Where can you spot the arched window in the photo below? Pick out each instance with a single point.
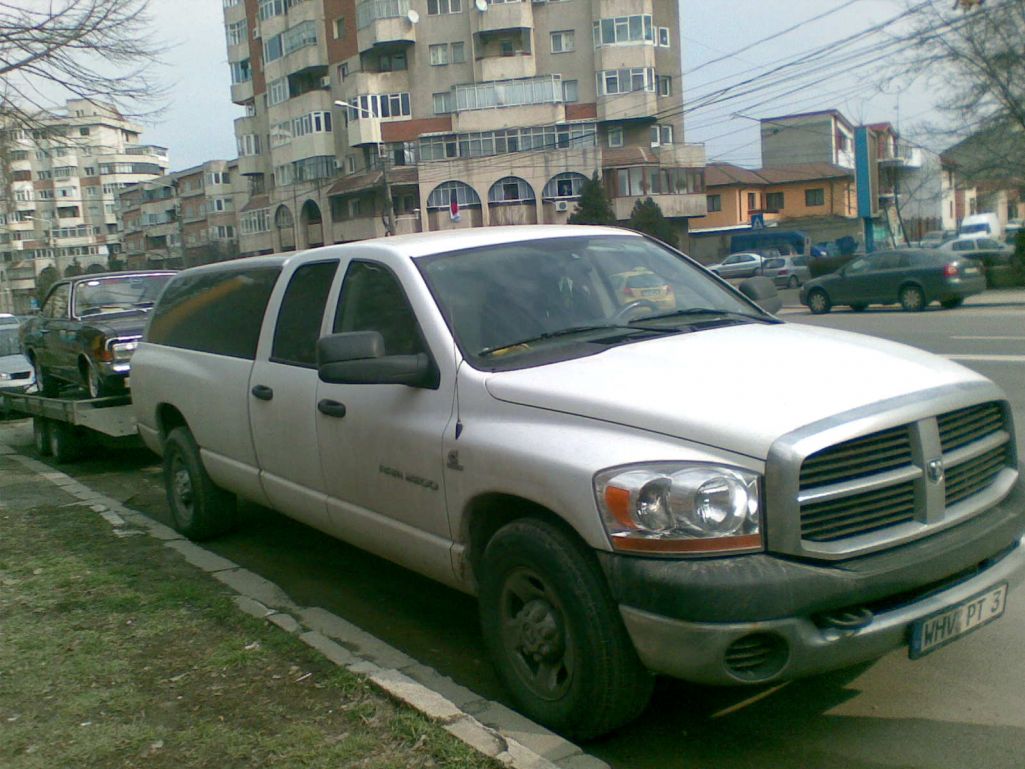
(283, 218)
(565, 186)
(511, 189)
(442, 195)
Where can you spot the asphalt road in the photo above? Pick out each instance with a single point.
(960, 707)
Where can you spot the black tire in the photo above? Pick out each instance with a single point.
(66, 442)
(47, 385)
(41, 436)
(912, 298)
(950, 304)
(793, 282)
(98, 385)
(859, 307)
(555, 634)
(199, 508)
(819, 302)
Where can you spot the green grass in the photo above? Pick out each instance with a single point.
(115, 653)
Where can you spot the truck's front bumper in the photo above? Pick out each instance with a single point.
(762, 618)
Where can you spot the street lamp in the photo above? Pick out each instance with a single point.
(389, 209)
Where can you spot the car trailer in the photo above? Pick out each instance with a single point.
(63, 427)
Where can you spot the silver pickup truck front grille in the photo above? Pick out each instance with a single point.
(902, 479)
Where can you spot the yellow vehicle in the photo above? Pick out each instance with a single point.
(641, 284)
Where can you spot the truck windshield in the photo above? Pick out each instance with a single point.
(527, 302)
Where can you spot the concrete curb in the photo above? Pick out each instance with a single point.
(484, 725)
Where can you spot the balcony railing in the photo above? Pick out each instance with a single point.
(370, 11)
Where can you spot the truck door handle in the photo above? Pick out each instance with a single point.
(331, 408)
(263, 392)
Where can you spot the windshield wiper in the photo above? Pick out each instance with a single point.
(703, 311)
(568, 332)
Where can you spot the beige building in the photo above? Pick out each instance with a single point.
(58, 195)
(470, 113)
(183, 218)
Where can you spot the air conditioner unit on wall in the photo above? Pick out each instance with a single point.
(325, 82)
(562, 206)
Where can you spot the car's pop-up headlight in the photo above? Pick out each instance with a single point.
(680, 508)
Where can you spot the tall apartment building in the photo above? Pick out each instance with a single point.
(58, 194)
(183, 218)
(469, 112)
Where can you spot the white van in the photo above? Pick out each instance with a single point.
(981, 225)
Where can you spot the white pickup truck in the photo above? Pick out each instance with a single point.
(636, 469)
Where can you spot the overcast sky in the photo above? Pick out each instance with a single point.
(198, 124)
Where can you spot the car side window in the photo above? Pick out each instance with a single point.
(302, 308)
(987, 243)
(887, 261)
(57, 303)
(964, 245)
(373, 300)
(857, 267)
(217, 311)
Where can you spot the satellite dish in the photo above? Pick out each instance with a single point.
(413, 16)
(482, 5)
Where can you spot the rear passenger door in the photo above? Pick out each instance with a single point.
(283, 395)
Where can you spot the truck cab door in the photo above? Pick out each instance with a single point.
(283, 395)
(381, 444)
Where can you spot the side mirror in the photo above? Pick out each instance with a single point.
(762, 291)
(357, 357)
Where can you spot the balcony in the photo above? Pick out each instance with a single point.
(383, 22)
(359, 83)
(363, 131)
(242, 93)
(505, 16)
(508, 67)
(901, 157)
(637, 105)
(606, 9)
(671, 205)
(624, 56)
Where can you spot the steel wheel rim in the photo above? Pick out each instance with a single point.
(535, 635)
(181, 490)
(913, 298)
(817, 301)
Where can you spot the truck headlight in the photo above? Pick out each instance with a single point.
(5, 377)
(680, 508)
(122, 351)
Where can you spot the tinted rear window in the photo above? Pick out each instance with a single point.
(214, 311)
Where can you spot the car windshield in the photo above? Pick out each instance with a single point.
(117, 293)
(530, 302)
(9, 341)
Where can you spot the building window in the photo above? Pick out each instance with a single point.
(511, 189)
(815, 197)
(277, 91)
(616, 81)
(343, 70)
(437, 7)
(664, 84)
(458, 53)
(564, 185)
(339, 28)
(237, 32)
(661, 134)
(381, 105)
(663, 37)
(443, 103)
(714, 203)
(570, 93)
(562, 41)
(444, 194)
(752, 201)
(623, 29)
(616, 136)
(774, 201)
(439, 54)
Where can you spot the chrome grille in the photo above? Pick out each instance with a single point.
(972, 476)
(857, 458)
(905, 474)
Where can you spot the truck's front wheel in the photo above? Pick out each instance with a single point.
(199, 508)
(555, 633)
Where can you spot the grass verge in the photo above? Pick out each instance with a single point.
(116, 653)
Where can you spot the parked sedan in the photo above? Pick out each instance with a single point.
(88, 328)
(993, 256)
(15, 370)
(743, 265)
(911, 277)
(787, 271)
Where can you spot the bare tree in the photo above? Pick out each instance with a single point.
(974, 54)
(52, 50)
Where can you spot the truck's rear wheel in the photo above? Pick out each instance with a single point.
(199, 508)
(555, 633)
(41, 436)
(66, 442)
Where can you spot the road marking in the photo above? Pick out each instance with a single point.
(993, 338)
(990, 358)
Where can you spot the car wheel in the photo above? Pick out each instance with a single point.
(912, 299)
(793, 282)
(950, 304)
(66, 442)
(41, 436)
(98, 385)
(555, 634)
(47, 384)
(818, 302)
(199, 508)
(859, 307)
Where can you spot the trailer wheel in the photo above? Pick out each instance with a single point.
(41, 436)
(66, 442)
(199, 508)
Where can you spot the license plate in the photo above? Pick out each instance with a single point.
(971, 270)
(936, 630)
